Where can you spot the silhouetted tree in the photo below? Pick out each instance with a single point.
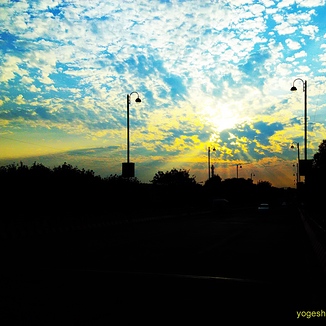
(69, 173)
(212, 186)
(238, 190)
(215, 180)
(175, 189)
(173, 178)
(263, 185)
(316, 187)
(119, 180)
(264, 191)
(319, 160)
(39, 171)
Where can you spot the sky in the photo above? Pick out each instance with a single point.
(210, 75)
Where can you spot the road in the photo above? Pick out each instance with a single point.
(214, 269)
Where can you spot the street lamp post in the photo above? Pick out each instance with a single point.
(298, 148)
(238, 165)
(128, 169)
(293, 88)
(298, 171)
(209, 161)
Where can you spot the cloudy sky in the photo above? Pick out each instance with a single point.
(210, 74)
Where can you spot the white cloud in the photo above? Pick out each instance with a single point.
(11, 67)
(285, 3)
(322, 58)
(310, 30)
(268, 3)
(45, 4)
(34, 89)
(20, 99)
(27, 80)
(300, 54)
(257, 9)
(311, 3)
(293, 45)
(51, 88)
(285, 28)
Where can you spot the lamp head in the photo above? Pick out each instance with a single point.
(293, 89)
(138, 100)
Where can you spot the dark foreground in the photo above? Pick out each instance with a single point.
(200, 268)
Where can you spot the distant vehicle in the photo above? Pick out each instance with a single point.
(263, 208)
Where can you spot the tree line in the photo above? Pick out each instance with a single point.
(67, 192)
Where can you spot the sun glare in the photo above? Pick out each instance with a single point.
(221, 118)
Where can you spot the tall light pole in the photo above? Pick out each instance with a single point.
(293, 88)
(238, 169)
(298, 171)
(209, 161)
(298, 147)
(128, 169)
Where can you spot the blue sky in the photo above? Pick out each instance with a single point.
(210, 74)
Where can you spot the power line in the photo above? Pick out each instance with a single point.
(26, 142)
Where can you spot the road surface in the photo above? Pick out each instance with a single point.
(201, 267)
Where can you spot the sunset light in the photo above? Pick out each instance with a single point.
(208, 73)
